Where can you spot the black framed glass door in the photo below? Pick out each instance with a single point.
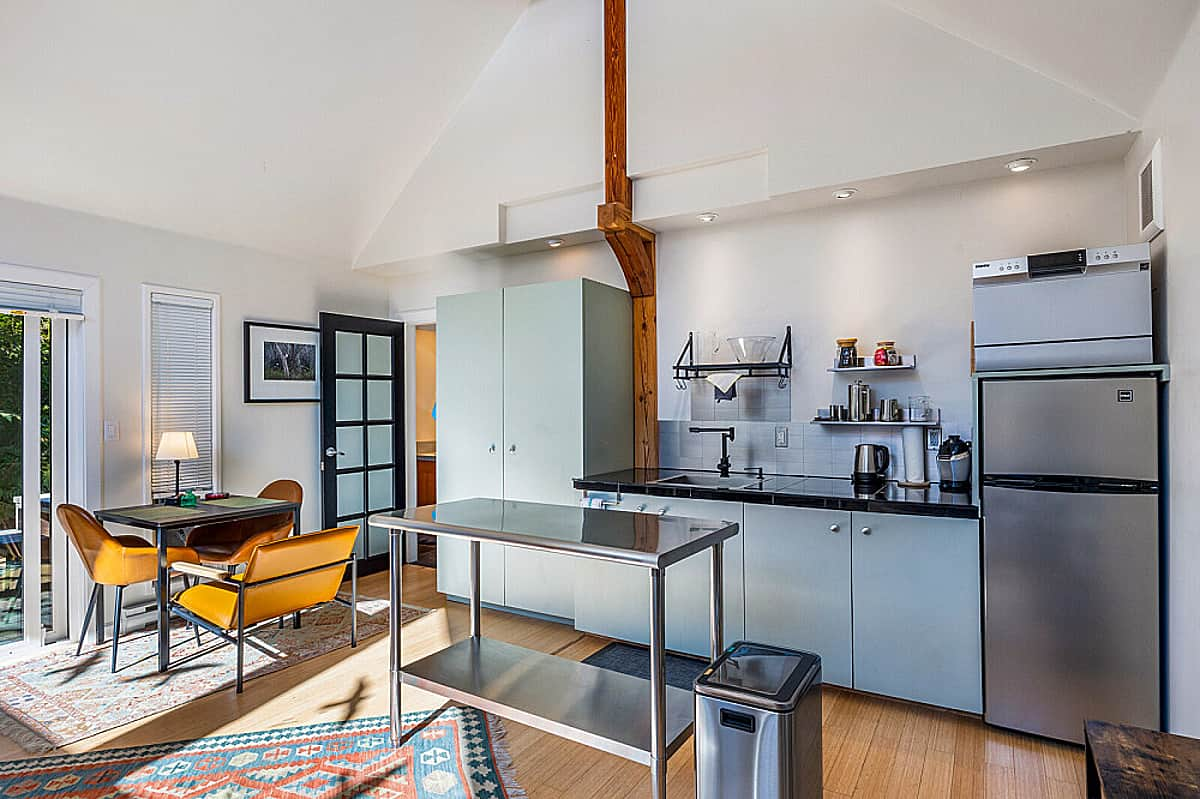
(362, 427)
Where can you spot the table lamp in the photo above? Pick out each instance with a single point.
(177, 446)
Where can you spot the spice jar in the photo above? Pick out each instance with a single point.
(847, 356)
(885, 354)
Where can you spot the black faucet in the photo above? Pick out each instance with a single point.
(726, 436)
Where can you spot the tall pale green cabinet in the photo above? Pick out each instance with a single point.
(534, 388)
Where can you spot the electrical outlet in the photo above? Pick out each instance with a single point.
(781, 436)
(933, 438)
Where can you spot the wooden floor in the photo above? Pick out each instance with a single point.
(873, 747)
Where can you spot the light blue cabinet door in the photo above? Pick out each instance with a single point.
(916, 609)
(543, 429)
(613, 600)
(798, 584)
(470, 385)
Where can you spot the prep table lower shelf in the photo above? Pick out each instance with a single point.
(596, 707)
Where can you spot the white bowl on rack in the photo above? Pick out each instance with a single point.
(751, 349)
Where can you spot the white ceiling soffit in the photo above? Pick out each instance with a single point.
(282, 126)
(1115, 51)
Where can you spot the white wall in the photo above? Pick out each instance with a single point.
(1174, 115)
(259, 443)
(896, 268)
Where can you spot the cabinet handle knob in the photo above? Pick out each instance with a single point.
(512, 448)
(663, 511)
(866, 531)
(641, 507)
(835, 528)
(492, 448)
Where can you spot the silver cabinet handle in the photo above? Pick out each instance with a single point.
(512, 448)
(866, 531)
(641, 507)
(835, 528)
(492, 448)
(663, 511)
(333, 452)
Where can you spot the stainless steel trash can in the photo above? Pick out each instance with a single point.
(758, 725)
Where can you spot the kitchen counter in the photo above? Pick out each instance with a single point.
(791, 491)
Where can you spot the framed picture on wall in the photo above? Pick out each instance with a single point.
(281, 363)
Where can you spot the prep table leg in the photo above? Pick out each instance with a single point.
(658, 688)
(717, 595)
(164, 587)
(396, 594)
(473, 568)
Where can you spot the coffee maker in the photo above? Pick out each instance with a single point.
(954, 464)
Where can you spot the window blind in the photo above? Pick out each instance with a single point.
(47, 300)
(181, 387)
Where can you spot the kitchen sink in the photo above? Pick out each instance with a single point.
(706, 481)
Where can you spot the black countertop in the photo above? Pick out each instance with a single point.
(793, 491)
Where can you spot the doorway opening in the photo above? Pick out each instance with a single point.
(425, 434)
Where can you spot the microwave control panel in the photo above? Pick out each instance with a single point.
(1002, 267)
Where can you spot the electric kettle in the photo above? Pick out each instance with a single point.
(871, 463)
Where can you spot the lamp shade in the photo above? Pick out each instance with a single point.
(177, 446)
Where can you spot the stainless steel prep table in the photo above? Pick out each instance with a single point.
(596, 707)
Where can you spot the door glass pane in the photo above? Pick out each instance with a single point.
(379, 399)
(379, 444)
(350, 444)
(379, 355)
(349, 400)
(12, 344)
(348, 348)
(377, 540)
(360, 543)
(380, 484)
(350, 494)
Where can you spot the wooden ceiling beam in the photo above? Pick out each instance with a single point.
(632, 244)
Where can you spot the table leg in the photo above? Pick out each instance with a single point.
(658, 687)
(396, 594)
(473, 568)
(717, 596)
(163, 592)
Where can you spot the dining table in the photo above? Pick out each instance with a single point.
(162, 520)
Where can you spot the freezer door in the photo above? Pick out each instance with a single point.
(1087, 427)
(1071, 617)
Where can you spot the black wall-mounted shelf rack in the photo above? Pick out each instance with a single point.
(780, 368)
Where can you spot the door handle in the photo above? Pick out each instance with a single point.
(333, 452)
(835, 528)
(866, 531)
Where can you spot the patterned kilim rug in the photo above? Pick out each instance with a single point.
(55, 697)
(456, 754)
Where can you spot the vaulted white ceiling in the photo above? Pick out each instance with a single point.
(288, 127)
(297, 127)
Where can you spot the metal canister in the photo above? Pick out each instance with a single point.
(860, 401)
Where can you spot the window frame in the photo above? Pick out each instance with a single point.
(148, 290)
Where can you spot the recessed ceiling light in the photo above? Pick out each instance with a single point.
(1021, 165)
(707, 218)
(555, 242)
(844, 194)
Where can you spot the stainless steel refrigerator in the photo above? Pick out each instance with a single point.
(1070, 493)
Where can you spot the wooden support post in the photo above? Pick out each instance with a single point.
(632, 244)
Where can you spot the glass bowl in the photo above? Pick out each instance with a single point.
(751, 349)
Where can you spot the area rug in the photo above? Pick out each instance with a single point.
(456, 754)
(56, 698)
(682, 670)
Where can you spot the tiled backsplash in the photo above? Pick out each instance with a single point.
(757, 400)
(812, 449)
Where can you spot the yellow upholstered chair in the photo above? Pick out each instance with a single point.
(230, 543)
(116, 560)
(281, 578)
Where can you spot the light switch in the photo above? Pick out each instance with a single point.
(781, 436)
(112, 430)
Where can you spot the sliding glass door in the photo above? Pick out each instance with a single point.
(33, 396)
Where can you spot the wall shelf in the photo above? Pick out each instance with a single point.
(908, 363)
(934, 423)
(780, 368)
